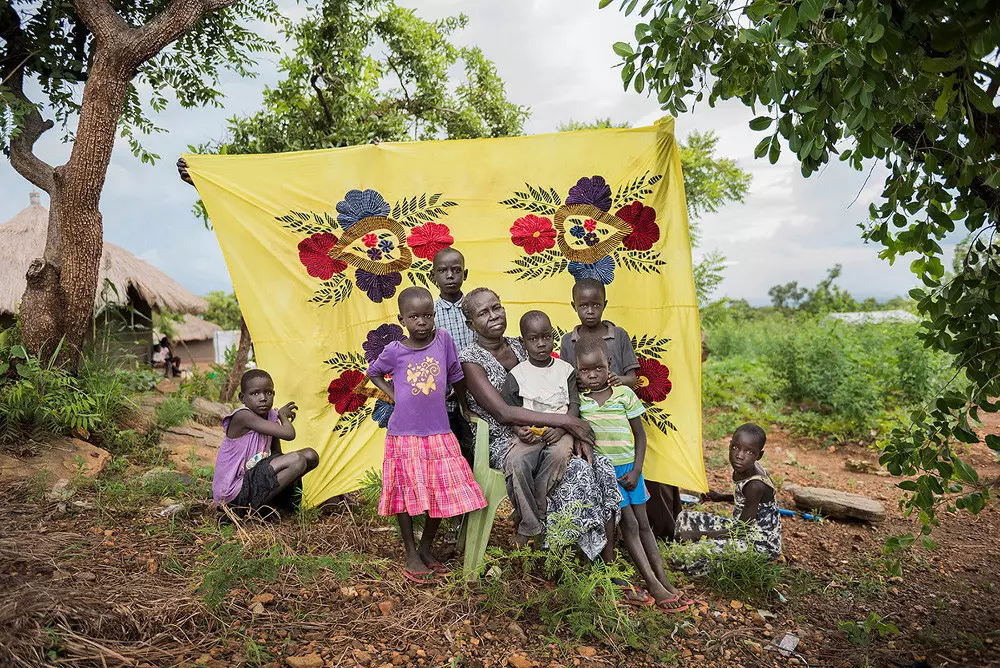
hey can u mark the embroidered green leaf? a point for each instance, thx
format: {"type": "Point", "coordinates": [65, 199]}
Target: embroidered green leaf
{"type": "Point", "coordinates": [535, 200]}
{"type": "Point", "coordinates": [646, 262]}
{"type": "Point", "coordinates": [538, 266]}
{"type": "Point", "coordinates": [349, 361]}
{"type": "Point", "coordinates": [557, 334]}
{"type": "Point", "coordinates": [420, 209]}
{"type": "Point", "coordinates": [420, 273]}
{"type": "Point", "coordinates": [649, 346]}
{"type": "Point", "coordinates": [308, 223]}
{"type": "Point", "coordinates": [349, 422]}
{"type": "Point", "coordinates": [659, 418]}
{"type": "Point", "coordinates": [334, 291]}
{"type": "Point", "coordinates": [636, 190]}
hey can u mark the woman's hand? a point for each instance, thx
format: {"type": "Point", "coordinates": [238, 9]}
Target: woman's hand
{"type": "Point", "coordinates": [713, 496]}
{"type": "Point", "coordinates": [630, 480]}
{"type": "Point", "coordinates": [579, 430]}
{"type": "Point", "coordinates": [287, 412]}
{"type": "Point", "coordinates": [182, 171]}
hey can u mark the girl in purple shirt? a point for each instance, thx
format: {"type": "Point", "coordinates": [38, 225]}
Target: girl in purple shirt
{"type": "Point", "coordinates": [423, 470]}
{"type": "Point", "coordinates": [251, 470]}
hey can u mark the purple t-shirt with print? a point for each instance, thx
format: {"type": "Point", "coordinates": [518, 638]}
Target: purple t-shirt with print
{"type": "Point", "coordinates": [420, 379]}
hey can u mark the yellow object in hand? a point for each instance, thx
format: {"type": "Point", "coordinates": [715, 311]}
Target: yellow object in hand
{"type": "Point", "coordinates": [538, 431]}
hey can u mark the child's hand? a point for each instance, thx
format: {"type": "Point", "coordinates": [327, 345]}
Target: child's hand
{"type": "Point", "coordinates": [630, 480]}
{"type": "Point", "coordinates": [614, 380]}
{"type": "Point", "coordinates": [527, 435]}
{"type": "Point", "coordinates": [712, 496]}
{"type": "Point", "coordinates": [287, 412]}
{"type": "Point", "coordinates": [553, 434]}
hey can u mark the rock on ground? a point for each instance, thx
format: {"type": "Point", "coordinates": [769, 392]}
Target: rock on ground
{"type": "Point", "coordinates": [836, 504]}
{"type": "Point", "coordinates": [209, 413]}
{"type": "Point", "coordinates": [191, 445]}
{"type": "Point", "coordinates": [59, 458]}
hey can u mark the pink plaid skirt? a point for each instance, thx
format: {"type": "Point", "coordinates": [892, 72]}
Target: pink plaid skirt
{"type": "Point", "coordinates": [427, 474]}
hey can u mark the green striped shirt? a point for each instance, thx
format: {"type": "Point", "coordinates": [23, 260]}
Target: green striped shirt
{"type": "Point", "coordinates": [610, 423]}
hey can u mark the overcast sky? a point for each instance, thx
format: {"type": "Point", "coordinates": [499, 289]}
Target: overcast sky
{"type": "Point", "coordinates": [556, 57]}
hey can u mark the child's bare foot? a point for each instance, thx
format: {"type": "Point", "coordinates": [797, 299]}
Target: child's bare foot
{"type": "Point", "coordinates": [415, 564]}
{"type": "Point", "coordinates": [432, 562]}
{"type": "Point", "coordinates": [521, 540]}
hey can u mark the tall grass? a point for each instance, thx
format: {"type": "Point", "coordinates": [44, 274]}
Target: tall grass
{"type": "Point", "coordinates": [820, 376]}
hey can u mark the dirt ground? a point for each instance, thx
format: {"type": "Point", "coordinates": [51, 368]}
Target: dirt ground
{"type": "Point", "coordinates": [105, 580]}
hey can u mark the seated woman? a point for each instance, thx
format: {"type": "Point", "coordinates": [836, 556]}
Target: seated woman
{"type": "Point", "coordinates": [585, 502]}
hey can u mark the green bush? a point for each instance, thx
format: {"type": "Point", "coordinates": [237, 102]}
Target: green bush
{"type": "Point", "coordinates": [819, 376]}
{"type": "Point", "coordinates": [39, 398]}
{"type": "Point", "coordinates": [174, 411]}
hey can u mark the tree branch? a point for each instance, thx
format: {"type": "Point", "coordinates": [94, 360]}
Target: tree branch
{"type": "Point", "coordinates": [32, 126]}
{"type": "Point", "coordinates": [320, 97]}
{"type": "Point", "coordinates": [101, 19]}
{"type": "Point", "coordinates": [170, 24]}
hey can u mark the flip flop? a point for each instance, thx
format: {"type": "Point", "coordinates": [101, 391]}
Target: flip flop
{"type": "Point", "coordinates": [439, 568]}
{"type": "Point", "coordinates": [639, 597]}
{"type": "Point", "coordinates": [673, 604]}
{"type": "Point", "coordinates": [420, 578]}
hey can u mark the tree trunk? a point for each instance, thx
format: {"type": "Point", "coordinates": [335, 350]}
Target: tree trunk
{"type": "Point", "coordinates": [58, 302]}
{"type": "Point", "coordinates": [239, 365]}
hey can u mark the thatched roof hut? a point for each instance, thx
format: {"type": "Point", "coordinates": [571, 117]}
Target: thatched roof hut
{"type": "Point", "coordinates": [191, 328]}
{"type": "Point", "coordinates": [22, 239]}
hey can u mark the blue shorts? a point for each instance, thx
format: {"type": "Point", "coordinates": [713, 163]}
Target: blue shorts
{"type": "Point", "coordinates": [637, 496]}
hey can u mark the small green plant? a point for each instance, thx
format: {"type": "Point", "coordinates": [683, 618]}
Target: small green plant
{"type": "Point", "coordinates": [864, 631]}
{"type": "Point", "coordinates": [232, 563]}
{"type": "Point", "coordinates": [173, 412]}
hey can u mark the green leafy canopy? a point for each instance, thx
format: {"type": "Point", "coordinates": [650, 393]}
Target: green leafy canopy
{"type": "Point", "coordinates": [46, 43]}
{"type": "Point", "coordinates": [912, 85]}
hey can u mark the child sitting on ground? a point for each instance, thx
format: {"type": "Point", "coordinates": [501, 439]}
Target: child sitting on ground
{"type": "Point", "coordinates": [251, 470]}
{"type": "Point", "coordinates": [615, 414]}
{"type": "Point", "coordinates": [423, 470]}
{"type": "Point", "coordinates": [589, 302]}
{"type": "Point", "coordinates": [755, 508]}
{"type": "Point", "coordinates": [538, 457]}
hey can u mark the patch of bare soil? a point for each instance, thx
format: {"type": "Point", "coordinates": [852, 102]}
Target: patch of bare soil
{"type": "Point", "coordinates": [120, 585]}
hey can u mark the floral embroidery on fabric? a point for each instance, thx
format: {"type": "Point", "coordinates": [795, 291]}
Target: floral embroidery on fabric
{"type": "Point", "coordinates": [341, 391]}
{"type": "Point", "coordinates": [582, 236]}
{"type": "Point", "coordinates": [654, 380]}
{"type": "Point", "coordinates": [421, 378]}
{"type": "Point", "coordinates": [351, 391]}
{"type": "Point", "coordinates": [378, 338]}
{"type": "Point", "coordinates": [382, 243]}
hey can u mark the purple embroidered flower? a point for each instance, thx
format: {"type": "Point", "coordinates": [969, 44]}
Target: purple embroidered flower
{"type": "Point", "coordinates": [603, 270]}
{"type": "Point", "coordinates": [577, 231]}
{"type": "Point", "coordinates": [379, 338]}
{"type": "Point", "coordinates": [374, 253]}
{"type": "Point", "coordinates": [594, 190]}
{"type": "Point", "coordinates": [382, 412]}
{"type": "Point", "coordinates": [357, 205]}
{"type": "Point", "coordinates": [377, 287]}
{"type": "Point", "coordinates": [590, 239]}
{"type": "Point", "coordinates": [386, 245]}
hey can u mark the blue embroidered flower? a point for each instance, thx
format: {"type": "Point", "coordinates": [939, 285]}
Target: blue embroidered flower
{"type": "Point", "coordinates": [382, 412]}
{"type": "Point", "coordinates": [378, 338]}
{"type": "Point", "coordinates": [377, 287]}
{"type": "Point", "coordinates": [386, 245]}
{"type": "Point", "coordinates": [603, 270]}
{"type": "Point", "coordinates": [577, 231]}
{"type": "Point", "coordinates": [357, 205]}
{"type": "Point", "coordinates": [374, 253]}
{"type": "Point", "coordinates": [591, 239]}
{"type": "Point", "coordinates": [594, 190]}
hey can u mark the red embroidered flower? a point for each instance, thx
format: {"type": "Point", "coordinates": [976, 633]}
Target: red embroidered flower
{"type": "Point", "coordinates": [590, 225]}
{"type": "Point", "coordinates": [642, 220]}
{"type": "Point", "coordinates": [341, 392]}
{"type": "Point", "coordinates": [369, 240]}
{"type": "Point", "coordinates": [533, 233]}
{"type": "Point", "coordinates": [654, 380]}
{"type": "Point", "coordinates": [314, 253]}
{"type": "Point", "coordinates": [428, 239]}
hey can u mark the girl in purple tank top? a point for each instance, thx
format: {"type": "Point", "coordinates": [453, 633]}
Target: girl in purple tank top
{"type": "Point", "coordinates": [251, 470]}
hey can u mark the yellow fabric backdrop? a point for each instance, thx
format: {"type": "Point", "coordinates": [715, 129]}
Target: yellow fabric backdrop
{"type": "Point", "coordinates": [318, 243]}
